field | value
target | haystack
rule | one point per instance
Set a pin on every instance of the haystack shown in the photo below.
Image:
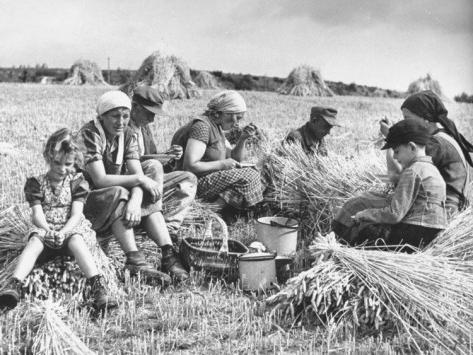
(206, 80)
(83, 72)
(169, 74)
(425, 83)
(305, 81)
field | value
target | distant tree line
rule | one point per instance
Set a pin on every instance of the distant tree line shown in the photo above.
(464, 97)
(38, 73)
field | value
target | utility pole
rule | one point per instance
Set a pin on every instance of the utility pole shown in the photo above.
(108, 67)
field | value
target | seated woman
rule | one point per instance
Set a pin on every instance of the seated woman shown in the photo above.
(207, 154)
(125, 193)
(449, 149)
(311, 135)
(415, 213)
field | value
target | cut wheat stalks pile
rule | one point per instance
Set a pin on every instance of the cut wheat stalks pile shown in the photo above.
(456, 241)
(308, 188)
(427, 297)
(54, 336)
(56, 277)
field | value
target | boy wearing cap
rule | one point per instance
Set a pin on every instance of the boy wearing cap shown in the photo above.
(179, 187)
(416, 210)
(125, 193)
(311, 135)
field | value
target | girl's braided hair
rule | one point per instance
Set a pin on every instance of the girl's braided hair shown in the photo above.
(62, 142)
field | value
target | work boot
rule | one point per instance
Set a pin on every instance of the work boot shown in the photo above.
(136, 264)
(171, 264)
(10, 294)
(98, 292)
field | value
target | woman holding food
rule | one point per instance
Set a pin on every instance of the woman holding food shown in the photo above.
(222, 178)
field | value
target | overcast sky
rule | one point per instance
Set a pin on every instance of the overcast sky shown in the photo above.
(387, 43)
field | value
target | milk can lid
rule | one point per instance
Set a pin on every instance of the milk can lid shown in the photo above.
(257, 256)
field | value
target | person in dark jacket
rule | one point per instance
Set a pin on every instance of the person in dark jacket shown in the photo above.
(311, 135)
(179, 187)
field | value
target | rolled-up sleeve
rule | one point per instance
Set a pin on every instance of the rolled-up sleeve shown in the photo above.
(402, 200)
(92, 146)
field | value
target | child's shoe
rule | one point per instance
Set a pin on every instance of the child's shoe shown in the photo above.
(99, 293)
(10, 294)
(136, 264)
(172, 264)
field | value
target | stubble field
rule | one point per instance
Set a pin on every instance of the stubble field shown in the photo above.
(198, 317)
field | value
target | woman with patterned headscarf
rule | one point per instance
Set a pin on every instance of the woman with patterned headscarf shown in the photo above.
(449, 149)
(207, 154)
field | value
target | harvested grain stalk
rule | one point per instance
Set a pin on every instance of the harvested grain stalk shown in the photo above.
(427, 297)
(54, 336)
(308, 188)
(56, 277)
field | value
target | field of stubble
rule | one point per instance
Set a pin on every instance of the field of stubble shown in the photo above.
(198, 317)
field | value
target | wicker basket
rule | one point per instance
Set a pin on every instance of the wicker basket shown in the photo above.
(218, 257)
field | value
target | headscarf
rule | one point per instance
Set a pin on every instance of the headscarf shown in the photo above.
(112, 99)
(427, 104)
(228, 101)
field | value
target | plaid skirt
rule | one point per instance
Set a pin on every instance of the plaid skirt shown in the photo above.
(240, 188)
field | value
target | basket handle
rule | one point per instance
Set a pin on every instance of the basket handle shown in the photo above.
(224, 248)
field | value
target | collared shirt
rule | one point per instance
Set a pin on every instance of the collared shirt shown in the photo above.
(95, 146)
(310, 144)
(419, 198)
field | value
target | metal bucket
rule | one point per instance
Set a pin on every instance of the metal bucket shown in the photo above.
(278, 234)
(257, 271)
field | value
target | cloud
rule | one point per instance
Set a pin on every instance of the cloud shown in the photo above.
(453, 16)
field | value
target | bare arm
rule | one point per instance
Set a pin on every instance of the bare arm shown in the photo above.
(195, 150)
(101, 179)
(38, 217)
(239, 151)
(134, 167)
(74, 219)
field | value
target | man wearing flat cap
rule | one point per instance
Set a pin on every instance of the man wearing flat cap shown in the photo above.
(179, 187)
(311, 135)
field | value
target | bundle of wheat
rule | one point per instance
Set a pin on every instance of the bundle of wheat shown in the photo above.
(168, 74)
(425, 83)
(428, 297)
(56, 277)
(84, 71)
(455, 241)
(305, 81)
(308, 188)
(54, 336)
(206, 80)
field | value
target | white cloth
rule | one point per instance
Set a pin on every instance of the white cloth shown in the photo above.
(112, 99)
(227, 101)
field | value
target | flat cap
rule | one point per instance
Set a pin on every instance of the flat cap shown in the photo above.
(329, 114)
(406, 131)
(149, 98)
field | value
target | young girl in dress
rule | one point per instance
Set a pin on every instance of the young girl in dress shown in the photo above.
(57, 199)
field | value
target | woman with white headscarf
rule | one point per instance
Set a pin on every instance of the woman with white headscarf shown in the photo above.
(207, 154)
